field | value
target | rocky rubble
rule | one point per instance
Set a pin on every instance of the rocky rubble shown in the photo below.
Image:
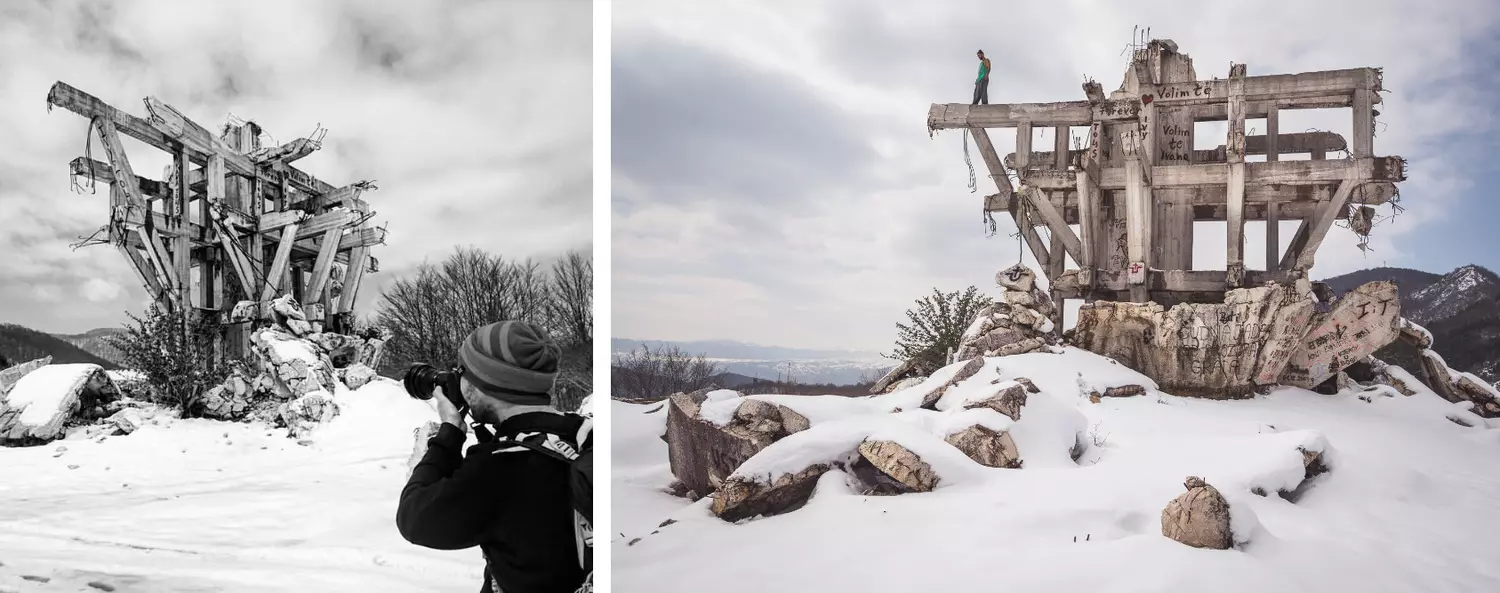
(301, 368)
(712, 435)
(1455, 386)
(1019, 322)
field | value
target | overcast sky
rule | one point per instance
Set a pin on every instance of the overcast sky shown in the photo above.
(473, 117)
(774, 181)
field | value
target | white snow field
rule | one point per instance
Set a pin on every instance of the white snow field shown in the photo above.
(1412, 501)
(200, 505)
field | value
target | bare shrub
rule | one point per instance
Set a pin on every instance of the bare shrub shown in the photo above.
(429, 314)
(654, 373)
(179, 366)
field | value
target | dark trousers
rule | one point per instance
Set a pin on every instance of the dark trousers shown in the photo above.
(982, 92)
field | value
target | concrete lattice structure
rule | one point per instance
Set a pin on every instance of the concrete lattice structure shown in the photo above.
(1135, 191)
(233, 223)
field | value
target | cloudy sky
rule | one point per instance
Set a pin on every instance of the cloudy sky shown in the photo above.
(774, 181)
(472, 116)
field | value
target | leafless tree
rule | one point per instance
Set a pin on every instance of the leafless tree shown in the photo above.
(654, 373)
(429, 314)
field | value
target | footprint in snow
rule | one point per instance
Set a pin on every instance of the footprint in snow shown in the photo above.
(101, 586)
(35, 578)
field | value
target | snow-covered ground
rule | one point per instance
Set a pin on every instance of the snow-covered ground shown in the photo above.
(1412, 502)
(199, 505)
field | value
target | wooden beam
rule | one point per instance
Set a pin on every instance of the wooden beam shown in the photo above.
(1273, 236)
(155, 249)
(1297, 143)
(328, 248)
(1138, 212)
(958, 115)
(1322, 223)
(1028, 232)
(1209, 202)
(1271, 87)
(279, 262)
(1309, 172)
(1273, 140)
(162, 137)
(1170, 281)
(182, 246)
(992, 161)
(1235, 189)
(1364, 124)
(130, 246)
(275, 221)
(353, 275)
(1023, 145)
(1055, 224)
(1088, 215)
(1060, 162)
(1307, 90)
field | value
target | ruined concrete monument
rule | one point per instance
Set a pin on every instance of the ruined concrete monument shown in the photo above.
(1138, 186)
(231, 225)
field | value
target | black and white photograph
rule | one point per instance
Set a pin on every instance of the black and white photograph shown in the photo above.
(296, 295)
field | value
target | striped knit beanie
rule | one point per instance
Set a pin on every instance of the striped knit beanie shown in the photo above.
(512, 361)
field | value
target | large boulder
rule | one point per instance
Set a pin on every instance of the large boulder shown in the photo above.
(1216, 351)
(742, 497)
(900, 464)
(40, 405)
(11, 375)
(1008, 400)
(702, 453)
(987, 447)
(1359, 323)
(357, 375)
(1198, 517)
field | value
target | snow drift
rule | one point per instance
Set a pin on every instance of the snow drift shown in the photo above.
(1407, 494)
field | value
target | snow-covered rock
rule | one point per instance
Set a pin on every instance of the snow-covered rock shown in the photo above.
(41, 403)
(357, 375)
(1199, 517)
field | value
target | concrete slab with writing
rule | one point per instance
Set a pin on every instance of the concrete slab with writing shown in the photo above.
(1361, 322)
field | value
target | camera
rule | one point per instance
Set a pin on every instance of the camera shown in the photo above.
(421, 377)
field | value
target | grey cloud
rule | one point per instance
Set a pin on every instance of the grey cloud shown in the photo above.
(694, 120)
(452, 107)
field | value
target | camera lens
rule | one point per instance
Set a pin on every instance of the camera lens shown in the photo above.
(419, 380)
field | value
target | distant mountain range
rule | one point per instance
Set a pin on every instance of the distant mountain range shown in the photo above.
(19, 344)
(95, 342)
(754, 361)
(1461, 309)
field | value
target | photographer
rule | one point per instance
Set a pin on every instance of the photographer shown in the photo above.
(510, 494)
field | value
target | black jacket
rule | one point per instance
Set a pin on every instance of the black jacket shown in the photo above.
(513, 504)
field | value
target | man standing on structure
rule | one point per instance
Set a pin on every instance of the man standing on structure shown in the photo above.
(982, 84)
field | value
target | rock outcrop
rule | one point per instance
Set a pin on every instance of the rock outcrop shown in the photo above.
(1199, 517)
(742, 498)
(1452, 385)
(1358, 324)
(702, 453)
(986, 447)
(900, 464)
(41, 404)
(1203, 350)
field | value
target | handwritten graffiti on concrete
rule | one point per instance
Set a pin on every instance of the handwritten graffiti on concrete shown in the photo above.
(1360, 323)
